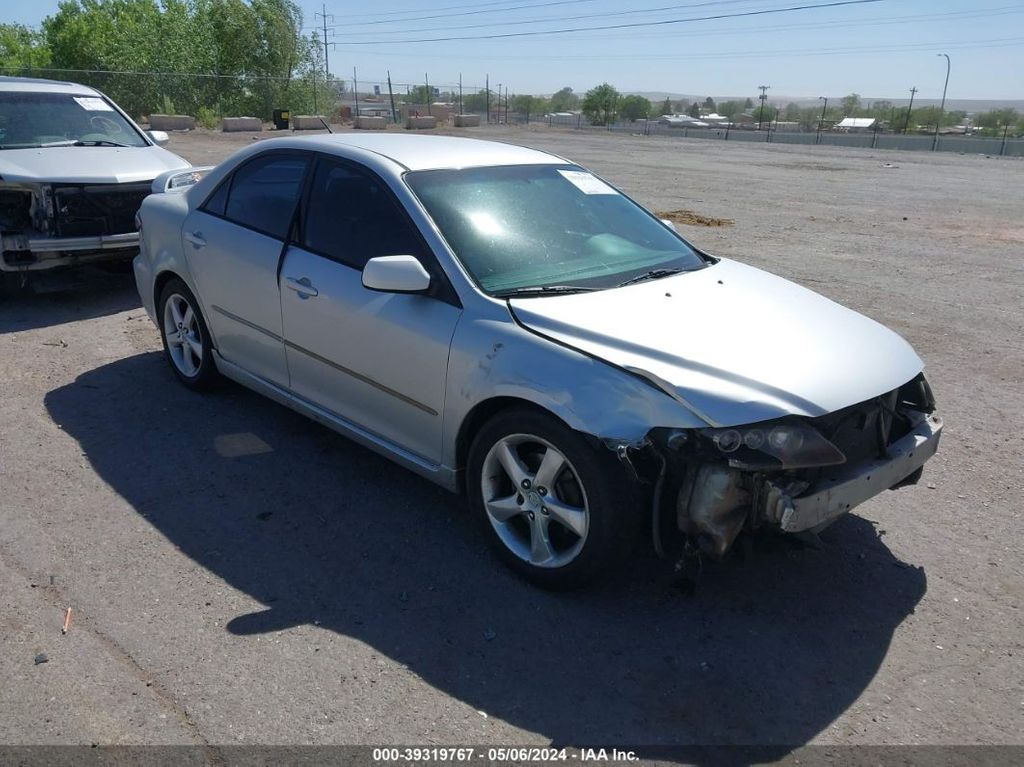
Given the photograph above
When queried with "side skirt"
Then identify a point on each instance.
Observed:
(442, 475)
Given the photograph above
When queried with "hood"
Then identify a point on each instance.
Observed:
(87, 164)
(733, 343)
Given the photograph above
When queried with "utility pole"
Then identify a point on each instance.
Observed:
(763, 97)
(817, 138)
(906, 123)
(460, 92)
(487, 90)
(355, 90)
(391, 97)
(428, 94)
(942, 109)
(325, 15)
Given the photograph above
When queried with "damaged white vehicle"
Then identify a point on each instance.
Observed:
(509, 325)
(74, 169)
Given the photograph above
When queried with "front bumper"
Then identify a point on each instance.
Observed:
(27, 253)
(849, 486)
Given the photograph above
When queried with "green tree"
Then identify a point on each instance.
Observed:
(600, 104)
(694, 110)
(528, 105)
(993, 122)
(22, 49)
(709, 104)
(475, 103)
(564, 100)
(634, 108)
(666, 107)
(421, 94)
(730, 109)
(748, 104)
(248, 57)
(791, 112)
(851, 105)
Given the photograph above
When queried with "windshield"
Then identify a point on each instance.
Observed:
(517, 228)
(29, 120)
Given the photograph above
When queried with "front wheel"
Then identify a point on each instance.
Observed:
(555, 506)
(187, 343)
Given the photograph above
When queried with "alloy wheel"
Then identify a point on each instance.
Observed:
(183, 335)
(535, 500)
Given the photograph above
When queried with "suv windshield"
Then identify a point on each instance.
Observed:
(29, 120)
(517, 228)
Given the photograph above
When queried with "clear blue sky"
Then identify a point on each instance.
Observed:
(877, 49)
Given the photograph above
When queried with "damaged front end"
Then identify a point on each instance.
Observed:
(44, 225)
(793, 474)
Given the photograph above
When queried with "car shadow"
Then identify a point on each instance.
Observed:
(67, 296)
(770, 650)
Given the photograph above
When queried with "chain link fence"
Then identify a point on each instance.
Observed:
(994, 146)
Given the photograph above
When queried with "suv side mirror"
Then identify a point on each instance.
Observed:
(395, 274)
(670, 224)
(159, 137)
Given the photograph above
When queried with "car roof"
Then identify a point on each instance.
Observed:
(34, 85)
(434, 152)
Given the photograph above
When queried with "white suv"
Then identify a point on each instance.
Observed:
(74, 169)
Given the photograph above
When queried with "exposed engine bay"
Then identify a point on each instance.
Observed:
(797, 475)
(48, 225)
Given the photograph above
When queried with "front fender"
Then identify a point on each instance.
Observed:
(494, 358)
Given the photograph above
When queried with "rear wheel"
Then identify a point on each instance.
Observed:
(187, 343)
(555, 506)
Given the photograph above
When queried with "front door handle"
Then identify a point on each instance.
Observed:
(196, 238)
(302, 286)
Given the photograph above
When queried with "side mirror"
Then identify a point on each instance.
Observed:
(670, 224)
(395, 274)
(159, 137)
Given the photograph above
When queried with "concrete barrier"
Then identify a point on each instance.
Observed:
(371, 123)
(424, 122)
(467, 121)
(237, 124)
(172, 122)
(308, 122)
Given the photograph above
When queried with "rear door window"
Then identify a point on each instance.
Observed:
(264, 193)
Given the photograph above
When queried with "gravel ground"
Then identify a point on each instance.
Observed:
(306, 591)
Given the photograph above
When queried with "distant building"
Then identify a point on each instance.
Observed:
(681, 121)
(856, 124)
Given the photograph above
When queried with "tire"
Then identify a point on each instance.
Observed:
(188, 347)
(11, 284)
(556, 537)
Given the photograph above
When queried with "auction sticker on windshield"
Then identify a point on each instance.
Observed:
(586, 182)
(93, 104)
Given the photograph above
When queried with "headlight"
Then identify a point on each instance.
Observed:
(774, 445)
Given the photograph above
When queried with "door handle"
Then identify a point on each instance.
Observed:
(302, 286)
(196, 238)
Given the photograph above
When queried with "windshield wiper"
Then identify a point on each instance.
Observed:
(97, 142)
(79, 142)
(542, 290)
(653, 274)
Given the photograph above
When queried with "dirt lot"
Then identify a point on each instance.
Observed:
(297, 588)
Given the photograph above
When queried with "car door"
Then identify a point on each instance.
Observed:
(377, 359)
(234, 243)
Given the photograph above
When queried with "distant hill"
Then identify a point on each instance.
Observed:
(965, 105)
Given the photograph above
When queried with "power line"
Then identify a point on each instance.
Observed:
(906, 48)
(632, 25)
(871, 22)
(548, 20)
(475, 12)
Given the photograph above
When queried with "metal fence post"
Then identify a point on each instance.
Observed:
(1002, 147)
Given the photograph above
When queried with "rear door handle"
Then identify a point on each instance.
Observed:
(196, 238)
(302, 286)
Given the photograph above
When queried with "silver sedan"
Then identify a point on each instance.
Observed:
(509, 325)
